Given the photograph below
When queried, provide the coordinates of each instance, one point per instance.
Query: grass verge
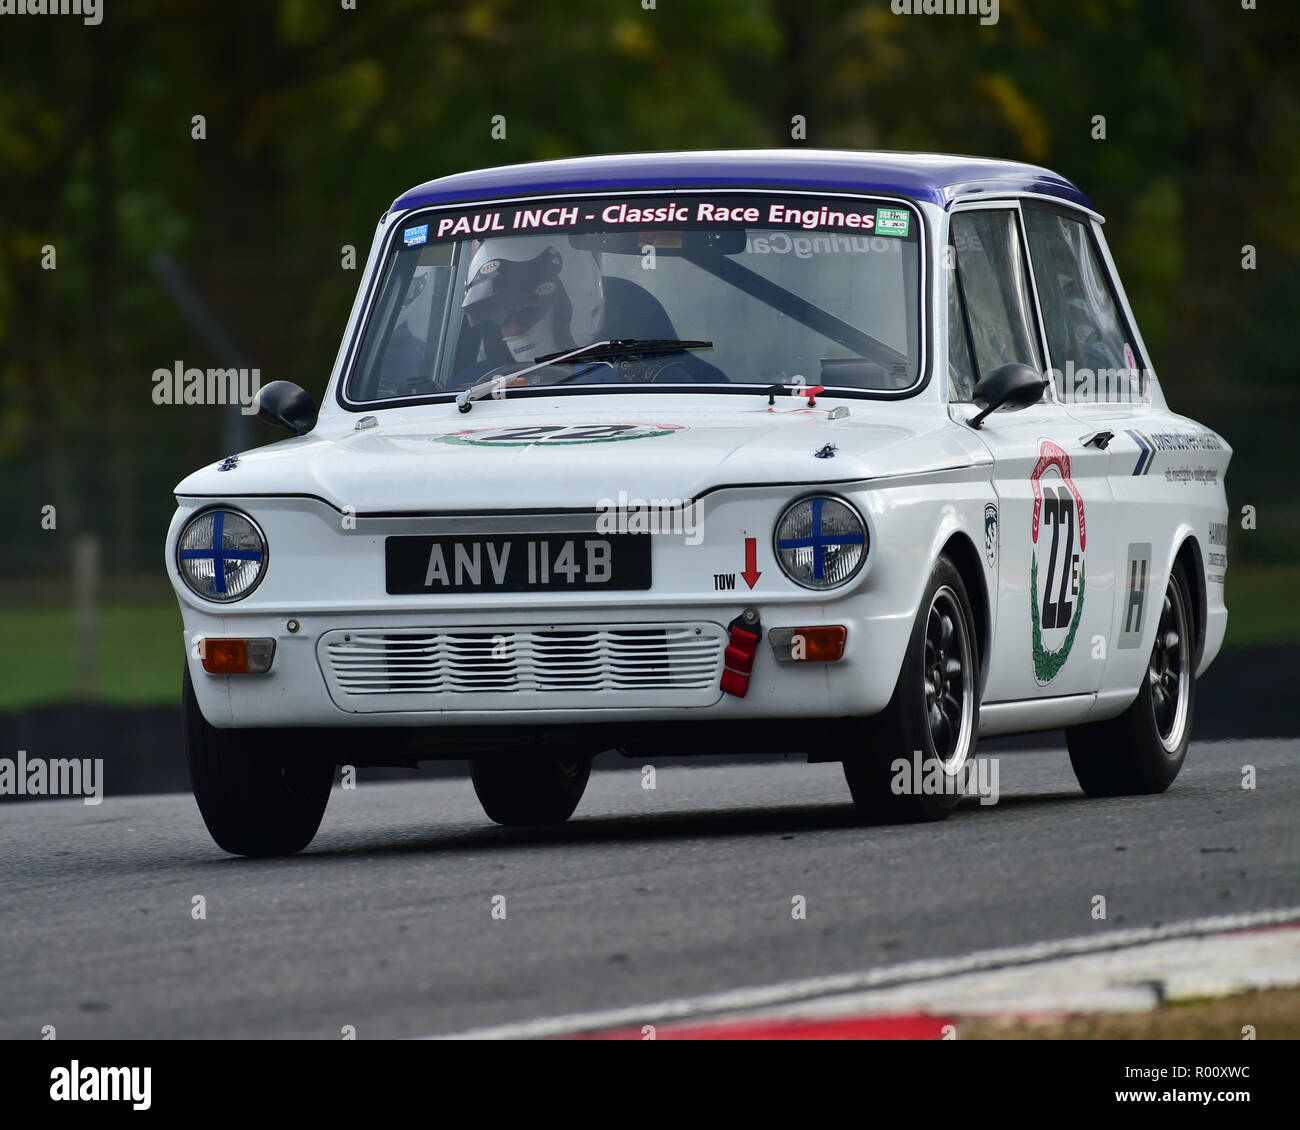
(1273, 1014)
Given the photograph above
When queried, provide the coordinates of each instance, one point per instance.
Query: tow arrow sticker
(751, 573)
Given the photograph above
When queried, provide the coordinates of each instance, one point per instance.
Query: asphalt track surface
(386, 924)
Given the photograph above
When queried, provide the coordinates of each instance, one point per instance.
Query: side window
(1090, 343)
(961, 369)
(994, 282)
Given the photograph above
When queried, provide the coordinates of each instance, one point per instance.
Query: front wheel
(530, 788)
(910, 765)
(1142, 750)
(256, 796)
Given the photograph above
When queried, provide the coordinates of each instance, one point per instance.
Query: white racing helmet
(543, 294)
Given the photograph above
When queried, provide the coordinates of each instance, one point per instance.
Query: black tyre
(530, 788)
(934, 710)
(257, 796)
(1142, 750)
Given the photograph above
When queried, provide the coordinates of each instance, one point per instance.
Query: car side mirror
(285, 405)
(1015, 384)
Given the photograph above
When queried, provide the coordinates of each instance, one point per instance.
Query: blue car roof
(933, 177)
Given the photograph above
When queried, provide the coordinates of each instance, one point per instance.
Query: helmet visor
(503, 291)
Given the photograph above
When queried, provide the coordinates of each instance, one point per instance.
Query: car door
(1165, 470)
(1055, 572)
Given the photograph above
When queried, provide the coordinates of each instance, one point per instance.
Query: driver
(543, 295)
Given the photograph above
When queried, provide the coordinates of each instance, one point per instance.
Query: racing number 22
(563, 433)
(1058, 512)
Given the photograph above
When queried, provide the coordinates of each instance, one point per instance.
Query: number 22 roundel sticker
(558, 435)
(1056, 606)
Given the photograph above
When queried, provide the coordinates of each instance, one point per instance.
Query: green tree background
(317, 116)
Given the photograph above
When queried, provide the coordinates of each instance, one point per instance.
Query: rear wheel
(530, 788)
(1143, 749)
(256, 796)
(933, 718)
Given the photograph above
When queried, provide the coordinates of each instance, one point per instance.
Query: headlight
(820, 542)
(222, 555)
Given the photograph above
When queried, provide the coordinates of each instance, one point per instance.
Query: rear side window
(1092, 354)
(994, 282)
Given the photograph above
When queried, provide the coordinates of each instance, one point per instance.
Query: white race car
(854, 455)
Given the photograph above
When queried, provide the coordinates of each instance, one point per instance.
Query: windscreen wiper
(622, 346)
(614, 347)
(465, 400)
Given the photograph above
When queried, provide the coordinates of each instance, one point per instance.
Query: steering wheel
(672, 372)
(651, 370)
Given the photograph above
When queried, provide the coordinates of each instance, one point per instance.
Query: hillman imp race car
(858, 456)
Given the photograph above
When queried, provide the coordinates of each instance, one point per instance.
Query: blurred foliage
(318, 116)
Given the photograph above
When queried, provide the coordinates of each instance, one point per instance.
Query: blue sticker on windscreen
(412, 236)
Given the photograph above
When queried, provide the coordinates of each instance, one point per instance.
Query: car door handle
(1099, 440)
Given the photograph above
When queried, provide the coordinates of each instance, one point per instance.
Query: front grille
(519, 668)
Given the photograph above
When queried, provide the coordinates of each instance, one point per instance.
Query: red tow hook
(738, 660)
(813, 393)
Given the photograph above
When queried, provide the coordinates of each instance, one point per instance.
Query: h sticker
(1133, 598)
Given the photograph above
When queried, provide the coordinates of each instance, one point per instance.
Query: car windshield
(693, 289)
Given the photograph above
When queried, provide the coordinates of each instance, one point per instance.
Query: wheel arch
(1190, 556)
(969, 562)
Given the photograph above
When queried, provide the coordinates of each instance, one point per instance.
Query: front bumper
(306, 687)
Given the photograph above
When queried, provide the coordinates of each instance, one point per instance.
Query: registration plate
(517, 563)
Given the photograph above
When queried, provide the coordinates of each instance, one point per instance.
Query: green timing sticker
(893, 221)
